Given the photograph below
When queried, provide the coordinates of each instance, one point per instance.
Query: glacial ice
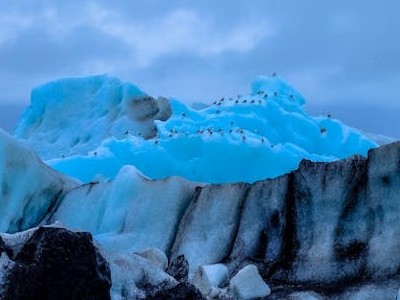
(29, 188)
(320, 224)
(90, 127)
(129, 214)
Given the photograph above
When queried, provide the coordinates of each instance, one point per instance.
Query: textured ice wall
(324, 224)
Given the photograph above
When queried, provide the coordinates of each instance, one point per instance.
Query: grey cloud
(335, 53)
(34, 52)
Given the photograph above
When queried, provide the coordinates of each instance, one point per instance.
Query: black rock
(58, 264)
(179, 268)
(182, 291)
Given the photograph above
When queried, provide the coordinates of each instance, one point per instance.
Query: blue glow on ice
(242, 138)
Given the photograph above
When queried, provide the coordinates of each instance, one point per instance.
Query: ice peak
(277, 87)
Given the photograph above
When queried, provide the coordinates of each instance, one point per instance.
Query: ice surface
(90, 127)
(209, 225)
(129, 214)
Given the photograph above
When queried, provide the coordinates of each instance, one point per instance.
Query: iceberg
(90, 127)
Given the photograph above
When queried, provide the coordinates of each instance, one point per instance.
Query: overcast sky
(343, 56)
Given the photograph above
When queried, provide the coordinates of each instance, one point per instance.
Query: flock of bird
(256, 98)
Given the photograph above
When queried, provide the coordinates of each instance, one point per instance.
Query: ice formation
(323, 226)
(90, 127)
(29, 188)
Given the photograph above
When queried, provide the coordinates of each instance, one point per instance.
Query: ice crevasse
(90, 127)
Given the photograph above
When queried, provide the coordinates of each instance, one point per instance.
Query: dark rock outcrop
(182, 291)
(55, 263)
(179, 268)
(325, 226)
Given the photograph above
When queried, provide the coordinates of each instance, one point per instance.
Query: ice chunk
(210, 276)
(248, 284)
(155, 256)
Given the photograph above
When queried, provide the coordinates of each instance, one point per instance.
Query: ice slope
(90, 127)
(29, 188)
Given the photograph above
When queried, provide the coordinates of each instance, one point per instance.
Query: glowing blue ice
(90, 127)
